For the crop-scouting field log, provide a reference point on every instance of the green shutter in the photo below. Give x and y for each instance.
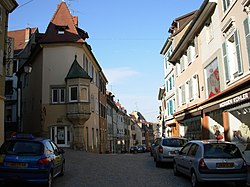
(247, 35)
(224, 50)
(238, 52)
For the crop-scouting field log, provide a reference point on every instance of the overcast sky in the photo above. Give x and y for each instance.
(126, 37)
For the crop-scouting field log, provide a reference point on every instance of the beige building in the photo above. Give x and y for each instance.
(6, 7)
(167, 93)
(212, 66)
(61, 95)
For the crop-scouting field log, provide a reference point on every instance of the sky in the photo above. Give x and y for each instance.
(126, 37)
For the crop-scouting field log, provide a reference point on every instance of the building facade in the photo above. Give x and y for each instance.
(211, 62)
(60, 97)
(6, 7)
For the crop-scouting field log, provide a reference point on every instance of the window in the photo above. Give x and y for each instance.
(191, 53)
(183, 95)
(58, 95)
(247, 35)
(226, 4)
(190, 89)
(232, 57)
(209, 30)
(73, 94)
(90, 70)
(183, 62)
(9, 87)
(61, 31)
(92, 103)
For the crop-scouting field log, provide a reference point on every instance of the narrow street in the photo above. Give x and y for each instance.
(94, 170)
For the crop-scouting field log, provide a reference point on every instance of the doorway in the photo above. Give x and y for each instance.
(60, 135)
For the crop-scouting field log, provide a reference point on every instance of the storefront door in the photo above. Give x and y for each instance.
(60, 135)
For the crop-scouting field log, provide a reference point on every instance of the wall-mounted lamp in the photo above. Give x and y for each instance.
(27, 68)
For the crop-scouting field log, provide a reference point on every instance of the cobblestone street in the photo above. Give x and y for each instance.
(113, 170)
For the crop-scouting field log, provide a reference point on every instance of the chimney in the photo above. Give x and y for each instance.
(27, 34)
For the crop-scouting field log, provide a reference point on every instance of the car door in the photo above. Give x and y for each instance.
(58, 158)
(190, 158)
(181, 158)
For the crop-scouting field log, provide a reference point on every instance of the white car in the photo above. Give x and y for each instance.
(167, 148)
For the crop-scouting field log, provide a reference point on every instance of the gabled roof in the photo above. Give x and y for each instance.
(19, 37)
(62, 19)
(76, 71)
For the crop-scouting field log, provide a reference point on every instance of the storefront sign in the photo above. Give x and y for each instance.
(235, 100)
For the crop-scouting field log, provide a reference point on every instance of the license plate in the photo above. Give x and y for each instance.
(17, 164)
(224, 165)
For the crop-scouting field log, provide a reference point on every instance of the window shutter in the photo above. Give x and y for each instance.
(196, 46)
(247, 34)
(238, 51)
(224, 50)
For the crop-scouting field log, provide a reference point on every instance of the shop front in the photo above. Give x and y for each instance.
(231, 117)
(189, 124)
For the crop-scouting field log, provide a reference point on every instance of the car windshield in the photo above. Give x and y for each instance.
(173, 142)
(22, 148)
(221, 150)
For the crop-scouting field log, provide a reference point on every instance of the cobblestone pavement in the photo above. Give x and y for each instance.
(117, 170)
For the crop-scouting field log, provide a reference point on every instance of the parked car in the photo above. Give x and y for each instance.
(133, 149)
(141, 149)
(166, 150)
(29, 159)
(211, 160)
(153, 145)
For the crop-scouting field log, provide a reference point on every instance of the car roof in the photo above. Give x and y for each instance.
(27, 137)
(175, 137)
(210, 141)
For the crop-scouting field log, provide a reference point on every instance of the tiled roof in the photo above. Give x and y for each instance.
(62, 19)
(19, 38)
(76, 71)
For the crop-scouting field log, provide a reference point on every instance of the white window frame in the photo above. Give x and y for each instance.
(70, 90)
(59, 95)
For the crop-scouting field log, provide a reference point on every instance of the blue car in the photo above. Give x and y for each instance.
(25, 158)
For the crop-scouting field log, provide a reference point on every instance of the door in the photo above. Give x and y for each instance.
(60, 135)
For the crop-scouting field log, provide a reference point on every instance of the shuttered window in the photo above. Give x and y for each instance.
(238, 52)
(225, 58)
(247, 35)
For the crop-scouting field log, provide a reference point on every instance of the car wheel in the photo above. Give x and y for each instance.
(62, 170)
(176, 172)
(194, 181)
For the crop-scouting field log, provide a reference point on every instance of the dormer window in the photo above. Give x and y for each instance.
(61, 29)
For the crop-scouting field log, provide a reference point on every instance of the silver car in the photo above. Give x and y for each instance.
(166, 149)
(211, 160)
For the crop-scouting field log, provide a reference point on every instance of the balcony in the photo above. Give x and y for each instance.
(78, 112)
